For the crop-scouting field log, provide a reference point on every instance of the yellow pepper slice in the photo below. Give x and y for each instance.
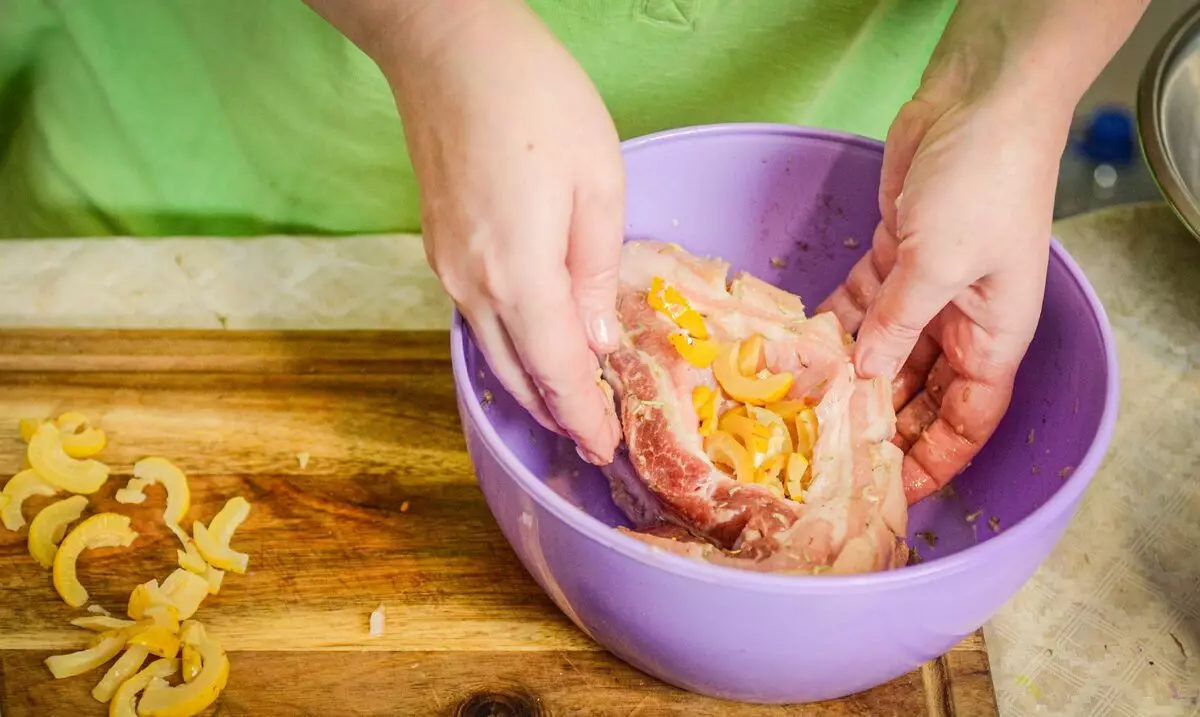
(20, 487)
(228, 520)
(28, 427)
(806, 432)
(126, 665)
(102, 623)
(191, 559)
(190, 698)
(705, 401)
(49, 527)
(160, 471)
(750, 356)
(796, 477)
(165, 616)
(769, 471)
(698, 352)
(77, 663)
(157, 641)
(214, 578)
(132, 493)
(754, 436)
(146, 596)
(190, 636)
(668, 300)
(124, 702)
(79, 438)
(748, 389)
(186, 591)
(723, 449)
(216, 554)
(780, 441)
(105, 530)
(50, 460)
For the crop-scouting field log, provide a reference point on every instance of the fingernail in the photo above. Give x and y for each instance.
(588, 457)
(604, 330)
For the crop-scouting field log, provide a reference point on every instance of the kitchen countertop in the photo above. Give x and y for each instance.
(1109, 626)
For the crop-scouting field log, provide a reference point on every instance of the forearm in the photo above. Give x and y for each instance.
(1046, 53)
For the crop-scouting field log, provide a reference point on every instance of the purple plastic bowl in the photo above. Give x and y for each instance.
(750, 193)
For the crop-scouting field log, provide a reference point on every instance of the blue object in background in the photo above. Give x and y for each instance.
(1102, 165)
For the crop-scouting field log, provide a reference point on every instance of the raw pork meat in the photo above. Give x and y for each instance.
(853, 514)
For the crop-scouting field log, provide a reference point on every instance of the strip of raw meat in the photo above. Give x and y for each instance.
(853, 517)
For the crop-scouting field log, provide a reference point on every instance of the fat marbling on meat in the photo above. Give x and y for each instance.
(854, 515)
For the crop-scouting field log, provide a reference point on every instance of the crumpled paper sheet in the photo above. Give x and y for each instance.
(1109, 626)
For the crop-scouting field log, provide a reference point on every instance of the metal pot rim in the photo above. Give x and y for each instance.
(1149, 119)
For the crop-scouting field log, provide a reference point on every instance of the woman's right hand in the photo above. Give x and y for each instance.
(522, 197)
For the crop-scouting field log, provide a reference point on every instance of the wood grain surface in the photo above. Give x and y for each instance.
(386, 512)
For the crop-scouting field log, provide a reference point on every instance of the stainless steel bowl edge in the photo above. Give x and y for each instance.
(1168, 117)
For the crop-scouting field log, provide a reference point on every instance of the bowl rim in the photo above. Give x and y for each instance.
(1149, 119)
(1011, 538)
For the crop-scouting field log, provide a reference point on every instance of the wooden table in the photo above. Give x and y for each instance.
(385, 512)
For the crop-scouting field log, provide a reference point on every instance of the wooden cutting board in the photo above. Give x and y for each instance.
(386, 512)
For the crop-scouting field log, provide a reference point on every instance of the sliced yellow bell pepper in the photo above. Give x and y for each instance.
(50, 460)
(216, 554)
(49, 527)
(750, 356)
(190, 637)
(28, 427)
(796, 477)
(705, 401)
(127, 664)
(754, 436)
(214, 578)
(157, 640)
(668, 300)
(77, 663)
(806, 432)
(186, 591)
(723, 449)
(105, 530)
(102, 623)
(780, 441)
(229, 519)
(769, 471)
(146, 596)
(698, 352)
(786, 410)
(79, 438)
(20, 487)
(190, 698)
(160, 471)
(191, 559)
(164, 616)
(124, 702)
(748, 389)
(132, 493)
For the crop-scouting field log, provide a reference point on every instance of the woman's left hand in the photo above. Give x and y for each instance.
(949, 295)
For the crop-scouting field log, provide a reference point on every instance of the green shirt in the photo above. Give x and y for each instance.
(237, 117)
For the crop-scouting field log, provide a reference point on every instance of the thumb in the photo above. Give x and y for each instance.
(907, 301)
(593, 261)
